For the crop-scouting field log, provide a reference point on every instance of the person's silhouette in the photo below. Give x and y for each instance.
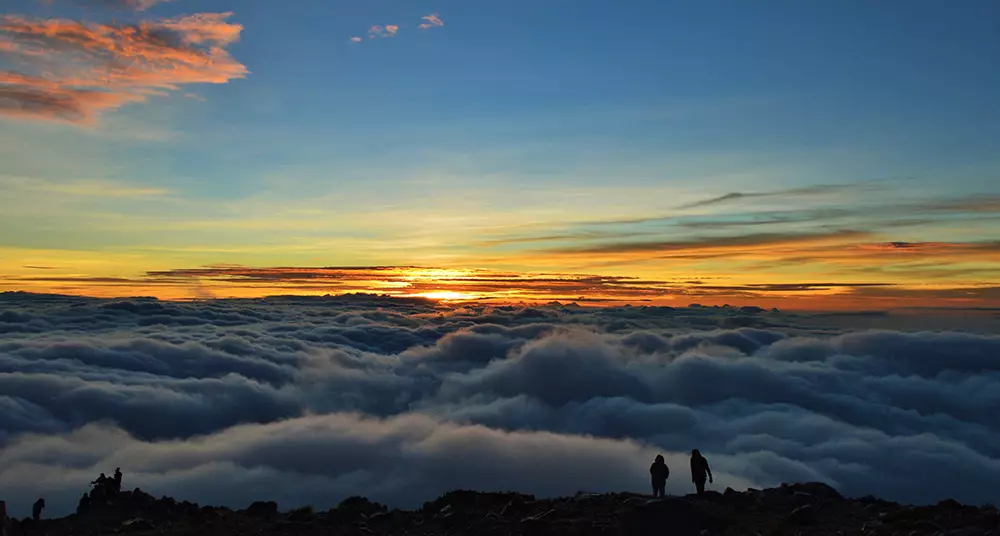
(36, 510)
(699, 470)
(659, 473)
(83, 505)
(118, 479)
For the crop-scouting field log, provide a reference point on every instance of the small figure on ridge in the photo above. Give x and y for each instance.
(699, 469)
(659, 473)
(36, 510)
(83, 505)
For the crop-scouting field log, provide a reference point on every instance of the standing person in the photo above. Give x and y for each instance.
(699, 469)
(36, 510)
(4, 520)
(659, 472)
(118, 480)
(83, 505)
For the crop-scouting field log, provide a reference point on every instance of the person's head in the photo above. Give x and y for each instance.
(659, 458)
(695, 453)
(118, 469)
(102, 475)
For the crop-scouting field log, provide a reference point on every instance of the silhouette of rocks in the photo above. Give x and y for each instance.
(353, 509)
(790, 510)
(264, 509)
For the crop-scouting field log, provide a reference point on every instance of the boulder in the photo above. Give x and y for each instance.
(263, 509)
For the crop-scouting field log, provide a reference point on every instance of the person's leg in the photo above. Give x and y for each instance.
(700, 485)
(663, 490)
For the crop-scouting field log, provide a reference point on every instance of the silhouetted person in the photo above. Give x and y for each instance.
(118, 480)
(4, 520)
(699, 469)
(659, 473)
(36, 510)
(83, 505)
(99, 494)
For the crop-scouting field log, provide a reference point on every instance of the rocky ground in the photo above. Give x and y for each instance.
(810, 508)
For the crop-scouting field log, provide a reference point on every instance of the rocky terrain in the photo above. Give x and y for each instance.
(810, 508)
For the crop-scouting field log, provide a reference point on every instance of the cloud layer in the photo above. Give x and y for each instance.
(308, 400)
(73, 71)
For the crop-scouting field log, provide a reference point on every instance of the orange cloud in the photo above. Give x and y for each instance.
(38, 98)
(488, 286)
(431, 21)
(85, 69)
(389, 30)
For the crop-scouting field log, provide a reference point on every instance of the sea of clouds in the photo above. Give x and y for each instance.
(310, 400)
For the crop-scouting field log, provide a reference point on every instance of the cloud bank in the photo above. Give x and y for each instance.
(310, 400)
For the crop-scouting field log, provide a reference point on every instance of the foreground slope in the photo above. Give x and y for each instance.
(810, 508)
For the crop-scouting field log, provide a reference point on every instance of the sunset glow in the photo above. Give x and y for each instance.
(437, 160)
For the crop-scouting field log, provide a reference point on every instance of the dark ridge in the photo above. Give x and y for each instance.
(809, 508)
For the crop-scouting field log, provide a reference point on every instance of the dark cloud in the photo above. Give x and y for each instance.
(308, 400)
(700, 245)
(821, 189)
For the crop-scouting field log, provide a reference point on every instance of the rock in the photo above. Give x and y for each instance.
(264, 509)
(353, 509)
(300, 515)
(677, 516)
(803, 515)
(818, 490)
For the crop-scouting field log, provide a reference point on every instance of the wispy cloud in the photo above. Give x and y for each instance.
(715, 244)
(389, 30)
(431, 21)
(809, 191)
(79, 70)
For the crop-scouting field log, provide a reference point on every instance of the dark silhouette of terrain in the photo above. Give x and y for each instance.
(810, 508)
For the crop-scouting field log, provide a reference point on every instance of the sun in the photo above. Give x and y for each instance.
(446, 295)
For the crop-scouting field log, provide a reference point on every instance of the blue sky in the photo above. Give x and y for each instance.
(513, 113)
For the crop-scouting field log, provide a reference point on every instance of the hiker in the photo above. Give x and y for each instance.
(659, 472)
(36, 510)
(118, 480)
(699, 468)
(99, 495)
(4, 520)
(83, 505)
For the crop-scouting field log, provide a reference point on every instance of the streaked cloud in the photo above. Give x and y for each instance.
(494, 286)
(743, 242)
(355, 39)
(809, 191)
(82, 188)
(431, 21)
(79, 70)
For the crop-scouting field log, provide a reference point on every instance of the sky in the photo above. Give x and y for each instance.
(802, 155)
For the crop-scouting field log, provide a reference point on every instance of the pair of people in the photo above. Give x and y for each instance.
(109, 486)
(699, 472)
